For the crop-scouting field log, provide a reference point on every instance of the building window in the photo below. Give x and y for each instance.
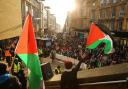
(26, 8)
(107, 13)
(94, 4)
(100, 14)
(102, 1)
(113, 12)
(112, 25)
(119, 25)
(93, 14)
(127, 25)
(122, 11)
(115, 1)
(107, 1)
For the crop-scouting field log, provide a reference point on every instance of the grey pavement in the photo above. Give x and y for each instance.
(54, 64)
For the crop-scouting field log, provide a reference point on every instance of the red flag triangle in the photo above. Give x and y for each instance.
(27, 42)
(94, 34)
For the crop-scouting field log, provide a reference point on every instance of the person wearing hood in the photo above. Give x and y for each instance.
(8, 81)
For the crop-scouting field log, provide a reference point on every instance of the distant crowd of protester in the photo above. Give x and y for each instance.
(71, 47)
(75, 48)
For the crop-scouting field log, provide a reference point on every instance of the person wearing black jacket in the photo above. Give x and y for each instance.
(69, 76)
(8, 81)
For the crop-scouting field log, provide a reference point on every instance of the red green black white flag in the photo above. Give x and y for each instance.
(98, 36)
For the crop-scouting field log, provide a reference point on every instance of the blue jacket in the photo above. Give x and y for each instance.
(8, 81)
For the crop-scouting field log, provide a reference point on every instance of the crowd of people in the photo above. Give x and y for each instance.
(76, 48)
(13, 72)
(11, 65)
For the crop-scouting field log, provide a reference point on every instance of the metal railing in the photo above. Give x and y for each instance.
(107, 82)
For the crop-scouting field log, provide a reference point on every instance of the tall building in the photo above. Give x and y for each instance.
(112, 13)
(15, 12)
(67, 27)
(46, 19)
(58, 28)
(74, 21)
(52, 23)
(36, 8)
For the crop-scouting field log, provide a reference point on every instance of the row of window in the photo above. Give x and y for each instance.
(117, 25)
(109, 1)
(105, 13)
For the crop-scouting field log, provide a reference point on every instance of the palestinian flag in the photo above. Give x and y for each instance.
(27, 50)
(98, 35)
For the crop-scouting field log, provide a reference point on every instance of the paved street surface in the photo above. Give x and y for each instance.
(59, 61)
(54, 64)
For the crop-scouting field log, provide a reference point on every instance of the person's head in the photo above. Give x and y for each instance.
(58, 67)
(68, 64)
(16, 61)
(3, 68)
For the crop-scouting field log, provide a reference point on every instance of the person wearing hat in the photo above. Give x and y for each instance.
(8, 81)
(69, 76)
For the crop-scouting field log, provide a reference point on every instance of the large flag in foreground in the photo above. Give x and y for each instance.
(98, 36)
(27, 50)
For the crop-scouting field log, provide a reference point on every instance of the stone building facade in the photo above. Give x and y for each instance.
(36, 8)
(112, 13)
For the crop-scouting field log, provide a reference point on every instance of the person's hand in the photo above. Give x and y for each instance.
(83, 56)
(26, 72)
(9, 69)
